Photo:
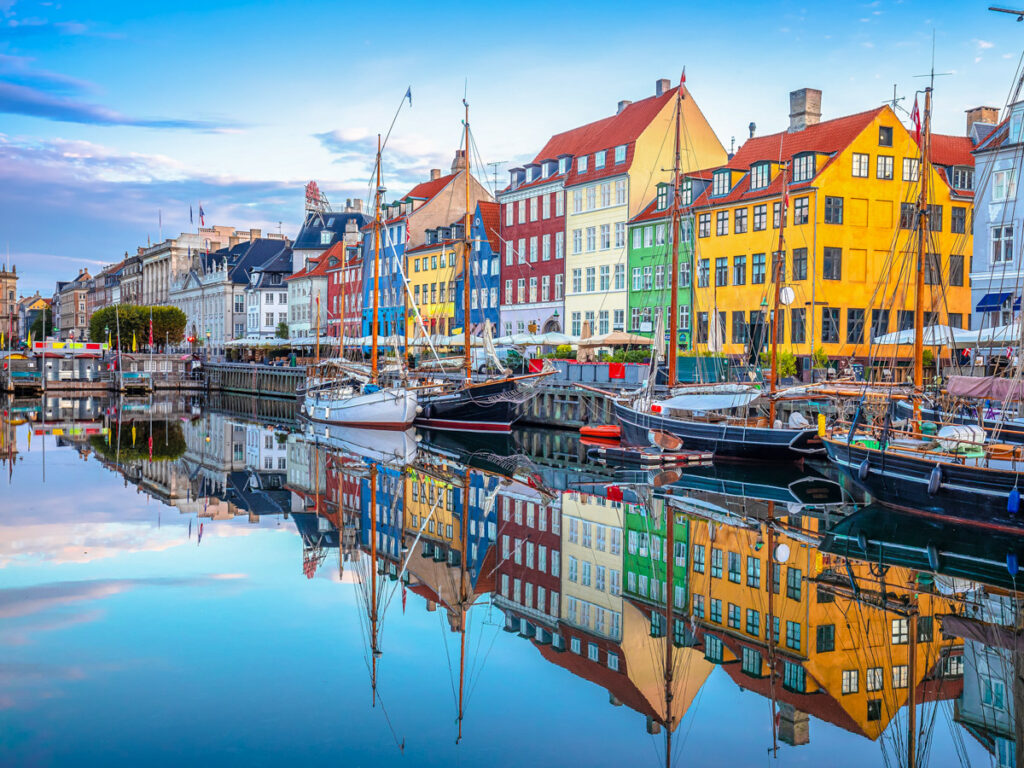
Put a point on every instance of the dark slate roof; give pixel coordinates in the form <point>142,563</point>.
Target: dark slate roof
<point>245,256</point>
<point>309,236</point>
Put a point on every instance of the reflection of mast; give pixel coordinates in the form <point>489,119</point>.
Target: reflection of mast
<point>374,650</point>
<point>771,617</point>
<point>670,556</point>
<point>463,597</point>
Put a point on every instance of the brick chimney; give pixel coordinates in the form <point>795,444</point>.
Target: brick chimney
<point>804,108</point>
<point>460,160</point>
<point>622,105</point>
<point>255,234</point>
<point>986,115</point>
<point>661,86</point>
<point>435,174</point>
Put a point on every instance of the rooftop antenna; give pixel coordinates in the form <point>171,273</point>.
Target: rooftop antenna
<point>933,74</point>
<point>494,171</point>
<point>895,101</point>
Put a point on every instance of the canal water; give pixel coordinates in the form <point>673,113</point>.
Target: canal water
<point>189,582</point>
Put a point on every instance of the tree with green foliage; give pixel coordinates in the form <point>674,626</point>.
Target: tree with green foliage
<point>819,359</point>
<point>786,365</point>
<point>282,330</point>
<point>130,319</point>
<point>36,329</point>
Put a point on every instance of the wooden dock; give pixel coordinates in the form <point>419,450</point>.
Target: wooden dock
<point>251,378</point>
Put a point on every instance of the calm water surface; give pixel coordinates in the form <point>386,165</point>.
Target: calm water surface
<point>209,584</point>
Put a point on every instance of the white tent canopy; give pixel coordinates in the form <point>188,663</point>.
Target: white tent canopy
<point>934,336</point>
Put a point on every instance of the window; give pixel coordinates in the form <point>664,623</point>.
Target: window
<point>803,167</point>
<point>826,638</point>
<point>793,635</point>
<point>620,234</point>
<point>508,214</point>
<point>559,204</point>
<point>606,195</point>
<point>716,610</point>
<point>855,326</point>
<point>958,220</point>
<point>883,169</point>
<point>753,572</point>
<point>599,160</point>
<point>759,175</point>
<point>712,648</point>
<point>833,210</point>
<point>874,709</point>
<point>900,634</point>
<point>776,214</point>
<point>908,216</point>
<point>899,676</point>
<point>722,223</point>
<point>577,280</point>
<point>794,580</point>
<point>925,629</point>
<point>873,679</point>
<point>760,217</point>
<point>935,218</point>
<point>739,270</point>
<point>1002,245</point>
<point>753,622</point>
<point>751,662</point>
<point>703,273</point>
<point>739,221</point>
<point>591,279</point>
<point>698,558</point>
<point>830,325</point>
<point>591,239</point>
<point>860,165</point>
<point>739,327</point>
<point>850,681</point>
<point>721,271</point>
<point>704,225</point>
<point>993,693</point>
<point>793,677</point>
<point>757,271</point>
<point>620,154</point>
<point>698,606</point>
<point>716,563</point>
<point>910,168</point>
<point>800,263</point>
<point>581,164</point>
<point>879,322</point>
<point>932,269</point>
<point>620,192</point>
<point>734,616</point>
<point>963,178</point>
<point>832,267</point>
<point>884,136</point>
<point>613,661</point>
<point>591,198</point>
<point>721,183</point>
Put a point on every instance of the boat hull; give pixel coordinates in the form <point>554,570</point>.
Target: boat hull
<point>391,408</point>
<point>903,479</point>
<point>1007,431</point>
<point>473,409</point>
<point>725,440</point>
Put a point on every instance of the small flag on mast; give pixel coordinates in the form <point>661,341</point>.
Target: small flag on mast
<point>408,94</point>
<point>202,216</point>
<point>915,118</point>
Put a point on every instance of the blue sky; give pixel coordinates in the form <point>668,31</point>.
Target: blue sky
<point>112,111</point>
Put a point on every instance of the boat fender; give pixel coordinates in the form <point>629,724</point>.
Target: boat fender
<point>862,541</point>
<point>933,557</point>
<point>863,469</point>
<point>1012,564</point>
<point>419,409</point>
<point>428,412</point>
<point>1013,502</point>
<point>821,425</point>
<point>935,480</point>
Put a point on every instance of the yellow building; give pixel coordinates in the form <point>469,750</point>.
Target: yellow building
<point>850,235</point>
<point>431,269</point>
<point>839,659</point>
<point>616,164</point>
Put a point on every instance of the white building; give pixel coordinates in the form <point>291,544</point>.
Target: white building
<point>266,296</point>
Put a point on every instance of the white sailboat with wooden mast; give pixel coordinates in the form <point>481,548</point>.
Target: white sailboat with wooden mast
<point>692,414</point>
<point>348,397</point>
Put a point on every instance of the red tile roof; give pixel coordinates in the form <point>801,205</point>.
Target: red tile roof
<point>607,133</point>
<point>651,213</point>
<point>490,214</point>
<point>952,150</point>
<point>428,189</point>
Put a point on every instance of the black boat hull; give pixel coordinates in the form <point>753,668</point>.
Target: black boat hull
<point>904,480</point>
<point>485,408</point>
<point>725,440</point>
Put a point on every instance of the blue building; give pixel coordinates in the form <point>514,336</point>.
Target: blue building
<point>485,272</point>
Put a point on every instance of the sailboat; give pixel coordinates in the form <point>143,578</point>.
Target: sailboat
<point>487,406</point>
<point>955,469</point>
<point>349,397</point>
<point>701,416</point>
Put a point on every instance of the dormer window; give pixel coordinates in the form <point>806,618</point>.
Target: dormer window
<point>563,164</point>
<point>803,167</point>
<point>620,154</point>
<point>962,177</point>
<point>686,192</point>
<point>1016,119</point>
<point>326,236</point>
<point>662,197</point>
<point>581,164</point>
<point>531,173</point>
<point>760,175</point>
<point>721,183</point>
<point>599,160</point>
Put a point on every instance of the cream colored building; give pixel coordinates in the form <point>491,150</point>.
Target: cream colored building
<point>617,165</point>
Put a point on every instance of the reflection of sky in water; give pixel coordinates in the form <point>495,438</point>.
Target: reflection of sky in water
<point>125,643</point>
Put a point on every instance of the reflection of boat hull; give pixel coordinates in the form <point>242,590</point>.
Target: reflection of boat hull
<point>482,408</point>
<point>778,484</point>
<point>903,478</point>
<point>725,440</point>
<point>384,446</point>
<point>1009,430</point>
<point>392,408</point>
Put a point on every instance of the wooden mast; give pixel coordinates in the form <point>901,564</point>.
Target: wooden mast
<point>912,684</point>
<point>467,245</point>
<point>771,621</point>
<point>344,278</point>
<point>922,239</point>
<point>376,272</point>
<point>777,265</point>
<point>463,597</point>
<point>374,651</point>
<point>673,321</point>
<point>669,589</point>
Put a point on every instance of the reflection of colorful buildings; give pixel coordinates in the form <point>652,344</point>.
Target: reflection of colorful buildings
<point>592,564</point>
<point>644,560</point>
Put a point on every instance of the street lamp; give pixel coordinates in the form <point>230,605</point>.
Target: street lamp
<point>207,347</point>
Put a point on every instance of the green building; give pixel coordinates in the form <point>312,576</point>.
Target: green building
<point>649,268</point>
<point>644,559</point>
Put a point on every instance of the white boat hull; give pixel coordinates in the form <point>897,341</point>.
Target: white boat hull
<point>386,447</point>
<point>392,408</point>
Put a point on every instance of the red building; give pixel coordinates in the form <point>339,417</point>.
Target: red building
<point>529,540</point>
<point>532,241</point>
<point>345,295</point>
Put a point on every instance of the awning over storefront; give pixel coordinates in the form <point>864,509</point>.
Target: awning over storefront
<point>992,302</point>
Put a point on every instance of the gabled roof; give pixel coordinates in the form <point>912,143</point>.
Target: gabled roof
<point>318,267</point>
<point>650,212</point>
<point>309,236</point>
<point>491,220</point>
<point>427,189</point>
<point>952,150</point>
